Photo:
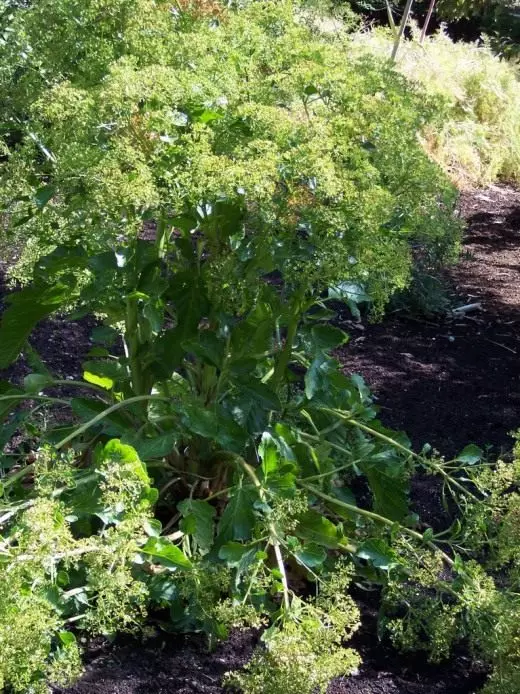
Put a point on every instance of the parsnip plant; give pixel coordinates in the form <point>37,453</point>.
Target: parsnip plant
<point>209,183</point>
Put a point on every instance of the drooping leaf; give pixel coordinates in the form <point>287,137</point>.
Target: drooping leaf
<point>43,196</point>
<point>379,554</point>
<point>150,449</point>
<point>67,638</point>
<point>198,521</point>
<point>239,557</point>
<point>390,492</point>
<point>317,374</point>
<point>327,337</point>
<point>34,383</point>
<point>101,381</point>
<point>238,519</point>
<point>167,554</point>
<point>262,395</point>
<point>315,528</point>
<point>471,455</point>
<point>26,309</point>
<point>122,452</point>
<point>311,555</point>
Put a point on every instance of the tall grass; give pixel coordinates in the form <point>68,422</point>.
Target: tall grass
<point>479,140</point>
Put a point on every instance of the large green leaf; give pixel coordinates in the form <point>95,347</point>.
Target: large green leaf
<point>311,555</point>
<point>26,309</point>
<point>157,447</point>
<point>389,489</point>
<point>164,552</point>
<point>318,374</point>
<point>471,455</point>
<point>327,337</point>
<point>315,528</point>
<point>379,554</point>
<point>198,521</point>
<point>238,519</point>
<point>239,557</point>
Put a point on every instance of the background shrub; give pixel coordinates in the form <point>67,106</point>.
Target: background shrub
<point>479,140</point>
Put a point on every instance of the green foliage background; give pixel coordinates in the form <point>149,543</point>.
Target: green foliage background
<point>210,182</point>
<point>256,109</point>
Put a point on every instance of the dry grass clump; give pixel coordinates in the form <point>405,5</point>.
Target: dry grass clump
<point>478,141</point>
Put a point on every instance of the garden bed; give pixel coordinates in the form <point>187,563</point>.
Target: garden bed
<point>446,382</point>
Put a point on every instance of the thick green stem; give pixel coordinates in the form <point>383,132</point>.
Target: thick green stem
<point>132,345</point>
<point>286,353</point>
<point>376,518</point>
<point>99,417</point>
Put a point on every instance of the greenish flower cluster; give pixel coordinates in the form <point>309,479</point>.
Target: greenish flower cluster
<point>66,555</point>
<point>163,112</point>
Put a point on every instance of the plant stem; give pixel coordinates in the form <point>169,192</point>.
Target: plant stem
<point>391,18</point>
<point>32,396</point>
<point>99,417</point>
<point>132,342</point>
<point>399,446</point>
<point>11,479</point>
<point>286,353</point>
<point>375,517</point>
<point>272,530</point>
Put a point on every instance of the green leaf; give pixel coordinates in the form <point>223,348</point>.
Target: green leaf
<point>311,555</point>
<point>262,395</point>
<point>349,291</point>
<point>152,527</point>
<point>317,374</point>
<point>390,492</point>
<point>26,309</point>
<point>379,554</point>
<point>327,337</point>
<point>34,383</point>
<point>233,552</point>
<point>43,196</point>
<point>104,335</point>
<point>269,455</point>
<point>101,381</point>
<point>207,347</point>
<point>239,557</point>
<point>200,420</point>
<point>470,455</point>
<point>198,521</point>
<point>315,528</point>
<point>238,520</point>
<point>165,553</point>
<point>67,638</point>
<point>114,450</point>
<point>150,449</point>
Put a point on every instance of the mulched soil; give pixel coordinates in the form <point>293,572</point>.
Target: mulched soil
<point>455,381</point>
<point>446,382</point>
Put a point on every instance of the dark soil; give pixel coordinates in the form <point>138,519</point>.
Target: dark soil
<point>453,381</point>
<point>169,665</point>
<point>446,381</point>
<point>176,665</point>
